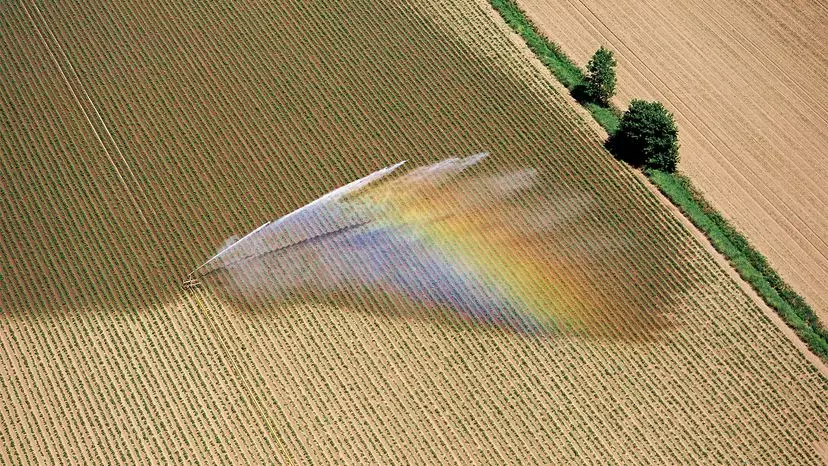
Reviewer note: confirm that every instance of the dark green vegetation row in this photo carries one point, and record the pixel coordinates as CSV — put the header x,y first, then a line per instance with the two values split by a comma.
x,y
751,265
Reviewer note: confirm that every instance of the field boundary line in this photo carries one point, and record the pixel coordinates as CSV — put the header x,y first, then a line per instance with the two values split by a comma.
x,y
502,12
701,123
734,275
810,237
86,115
230,355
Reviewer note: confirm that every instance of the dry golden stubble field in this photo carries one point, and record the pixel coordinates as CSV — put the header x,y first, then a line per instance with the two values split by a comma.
x,y
211,120
747,83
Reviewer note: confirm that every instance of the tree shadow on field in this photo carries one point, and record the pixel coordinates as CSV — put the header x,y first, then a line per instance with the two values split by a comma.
x,y
581,94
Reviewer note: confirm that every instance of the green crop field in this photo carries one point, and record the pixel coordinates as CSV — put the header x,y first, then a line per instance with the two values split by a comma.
x,y
137,137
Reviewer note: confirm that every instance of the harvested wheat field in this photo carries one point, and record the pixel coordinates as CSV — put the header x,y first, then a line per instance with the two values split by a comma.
x,y
137,138
748,84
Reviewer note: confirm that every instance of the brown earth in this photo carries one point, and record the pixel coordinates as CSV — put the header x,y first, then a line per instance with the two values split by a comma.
x,y
748,83
137,138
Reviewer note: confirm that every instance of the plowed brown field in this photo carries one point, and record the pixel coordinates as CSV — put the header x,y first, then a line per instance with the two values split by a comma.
x,y
138,136
748,83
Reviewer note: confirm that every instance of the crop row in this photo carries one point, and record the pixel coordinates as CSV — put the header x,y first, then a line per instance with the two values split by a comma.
x,y
230,115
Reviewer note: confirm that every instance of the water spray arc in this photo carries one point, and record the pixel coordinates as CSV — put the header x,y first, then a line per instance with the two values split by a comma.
x,y
441,237
307,215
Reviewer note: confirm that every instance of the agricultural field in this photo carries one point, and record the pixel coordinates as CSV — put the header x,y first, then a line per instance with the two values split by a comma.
x,y
138,137
747,85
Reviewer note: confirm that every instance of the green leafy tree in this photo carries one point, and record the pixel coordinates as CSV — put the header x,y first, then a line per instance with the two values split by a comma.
x,y
600,78
647,136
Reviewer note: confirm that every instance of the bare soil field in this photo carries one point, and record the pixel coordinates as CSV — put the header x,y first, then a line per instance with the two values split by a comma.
x,y
136,138
748,84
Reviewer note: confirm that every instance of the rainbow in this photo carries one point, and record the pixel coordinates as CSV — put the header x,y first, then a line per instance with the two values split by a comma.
x,y
432,237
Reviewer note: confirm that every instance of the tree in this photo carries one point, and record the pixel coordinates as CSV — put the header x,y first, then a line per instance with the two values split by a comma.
x,y
600,78
647,136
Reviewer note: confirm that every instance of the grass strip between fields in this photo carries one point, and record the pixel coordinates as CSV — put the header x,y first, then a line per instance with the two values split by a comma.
x,y
751,265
